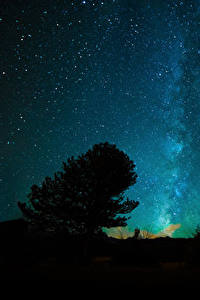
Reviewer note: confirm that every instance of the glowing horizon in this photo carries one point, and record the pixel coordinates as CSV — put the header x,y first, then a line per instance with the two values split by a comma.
x,y
126,232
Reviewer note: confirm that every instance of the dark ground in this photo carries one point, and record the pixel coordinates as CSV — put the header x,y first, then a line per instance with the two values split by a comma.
x,y
144,263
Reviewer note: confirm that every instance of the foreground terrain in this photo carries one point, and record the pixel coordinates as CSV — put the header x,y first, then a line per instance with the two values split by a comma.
x,y
35,256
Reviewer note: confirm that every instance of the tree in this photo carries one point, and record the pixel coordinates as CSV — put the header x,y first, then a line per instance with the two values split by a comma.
x,y
87,195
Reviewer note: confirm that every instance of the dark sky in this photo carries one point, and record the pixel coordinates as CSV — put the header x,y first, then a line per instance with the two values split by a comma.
x,y
76,73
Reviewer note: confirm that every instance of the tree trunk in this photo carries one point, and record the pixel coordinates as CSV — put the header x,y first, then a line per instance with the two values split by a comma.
x,y
86,247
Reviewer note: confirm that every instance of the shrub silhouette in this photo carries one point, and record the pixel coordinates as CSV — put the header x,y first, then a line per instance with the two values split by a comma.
x,y
86,196
196,235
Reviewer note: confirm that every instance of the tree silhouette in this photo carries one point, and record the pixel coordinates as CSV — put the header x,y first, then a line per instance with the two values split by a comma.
x,y
87,195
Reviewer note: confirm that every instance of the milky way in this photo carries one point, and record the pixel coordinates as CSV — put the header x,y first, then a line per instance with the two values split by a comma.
x,y
76,73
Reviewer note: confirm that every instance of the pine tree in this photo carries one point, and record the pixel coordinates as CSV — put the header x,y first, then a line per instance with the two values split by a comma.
x,y
87,195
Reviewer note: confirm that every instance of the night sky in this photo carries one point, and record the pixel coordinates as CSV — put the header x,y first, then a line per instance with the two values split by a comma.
x,y
76,73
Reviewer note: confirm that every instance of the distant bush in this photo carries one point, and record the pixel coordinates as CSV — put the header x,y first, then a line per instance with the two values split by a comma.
x,y
197,232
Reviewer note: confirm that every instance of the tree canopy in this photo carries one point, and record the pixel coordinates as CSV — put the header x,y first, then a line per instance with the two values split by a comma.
x,y
86,195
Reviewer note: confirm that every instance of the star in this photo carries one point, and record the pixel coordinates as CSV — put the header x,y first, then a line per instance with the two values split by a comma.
x,y
83,72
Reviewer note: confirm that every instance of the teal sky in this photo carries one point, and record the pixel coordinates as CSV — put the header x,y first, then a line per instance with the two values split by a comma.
x,y
76,73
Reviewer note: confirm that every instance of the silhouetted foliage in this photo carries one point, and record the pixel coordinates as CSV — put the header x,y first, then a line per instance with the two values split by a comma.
x,y
87,195
197,232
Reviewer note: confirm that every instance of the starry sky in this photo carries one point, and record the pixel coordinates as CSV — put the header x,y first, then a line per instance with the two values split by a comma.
x,y
76,73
